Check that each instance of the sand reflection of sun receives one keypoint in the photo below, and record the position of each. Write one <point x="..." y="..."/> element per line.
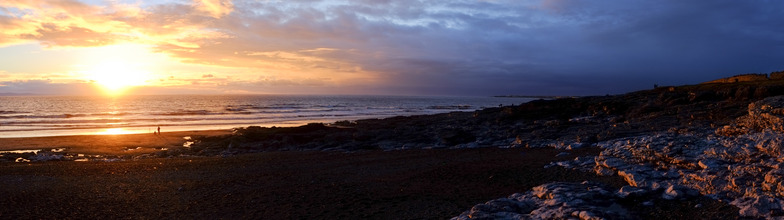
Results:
<point x="114" y="131"/>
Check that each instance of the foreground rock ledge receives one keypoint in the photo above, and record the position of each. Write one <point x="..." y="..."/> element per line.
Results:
<point x="741" y="164"/>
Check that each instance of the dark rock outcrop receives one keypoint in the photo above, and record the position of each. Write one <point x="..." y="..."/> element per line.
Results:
<point x="564" y="123"/>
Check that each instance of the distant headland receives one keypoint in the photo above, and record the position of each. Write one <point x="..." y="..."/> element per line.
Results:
<point x="750" y="77"/>
<point x="534" y="96"/>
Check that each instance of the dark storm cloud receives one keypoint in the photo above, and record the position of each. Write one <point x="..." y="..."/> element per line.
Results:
<point x="674" y="42"/>
<point x="557" y="47"/>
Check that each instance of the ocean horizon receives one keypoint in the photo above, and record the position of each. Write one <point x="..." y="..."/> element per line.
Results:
<point x="38" y="116"/>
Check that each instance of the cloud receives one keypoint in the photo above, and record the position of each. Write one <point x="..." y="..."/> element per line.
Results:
<point x="430" y="47"/>
<point x="215" y="8"/>
<point x="43" y="87"/>
<point x="52" y="35"/>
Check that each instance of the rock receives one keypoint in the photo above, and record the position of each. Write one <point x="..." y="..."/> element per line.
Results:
<point x="46" y="156"/>
<point x="671" y="193"/>
<point x="603" y="171"/>
<point x="671" y="174"/>
<point x="585" y="215"/>
<point x="627" y="191"/>
<point x="744" y="168"/>
<point x="451" y="137"/>
<point x="565" y="145"/>
<point x="581" y="163"/>
<point x="756" y="207"/>
<point x="633" y="178"/>
<point x="764" y="114"/>
<point x="610" y="162"/>
<point x="708" y="164"/>
<point x="585" y="200"/>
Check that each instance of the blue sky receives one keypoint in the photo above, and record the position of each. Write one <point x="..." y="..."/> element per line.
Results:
<point x="466" y="47"/>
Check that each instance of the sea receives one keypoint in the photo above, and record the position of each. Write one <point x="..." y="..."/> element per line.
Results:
<point x="37" y="116"/>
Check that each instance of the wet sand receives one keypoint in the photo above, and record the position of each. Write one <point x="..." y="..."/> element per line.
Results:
<point x="105" y="144"/>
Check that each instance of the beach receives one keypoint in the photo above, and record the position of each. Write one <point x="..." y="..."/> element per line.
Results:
<point x="406" y="184"/>
<point x="373" y="184"/>
<point x="106" y="144"/>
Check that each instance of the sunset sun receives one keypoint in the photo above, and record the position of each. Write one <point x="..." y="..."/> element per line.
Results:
<point x="116" y="76"/>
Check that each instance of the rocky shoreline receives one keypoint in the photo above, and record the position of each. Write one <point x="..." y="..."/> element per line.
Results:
<point x="720" y="141"/>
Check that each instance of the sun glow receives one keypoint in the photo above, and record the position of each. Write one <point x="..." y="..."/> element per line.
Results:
<point x="115" y="77"/>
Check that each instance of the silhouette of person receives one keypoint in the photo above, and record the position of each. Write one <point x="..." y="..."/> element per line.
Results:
<point x="159" y="130"/>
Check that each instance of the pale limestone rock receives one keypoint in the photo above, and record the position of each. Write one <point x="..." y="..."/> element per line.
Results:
<point x="671" y="193"/>
<point x="744" y="165"/>
<point x="553" y="201"/>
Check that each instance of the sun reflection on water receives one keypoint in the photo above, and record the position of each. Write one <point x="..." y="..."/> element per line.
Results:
<point x="114" y="131"/>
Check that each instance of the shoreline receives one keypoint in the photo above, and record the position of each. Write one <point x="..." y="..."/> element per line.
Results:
<point x="114" y="144"/>
<point x="186" y="113"/>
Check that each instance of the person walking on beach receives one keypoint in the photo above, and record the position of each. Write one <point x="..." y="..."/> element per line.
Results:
<point x="159" y="130"/>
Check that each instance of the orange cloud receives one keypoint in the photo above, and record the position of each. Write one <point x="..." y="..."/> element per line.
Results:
<point x="215" y="8"/>
<point x="199" y="32"/>
<point x="53" y="35"/>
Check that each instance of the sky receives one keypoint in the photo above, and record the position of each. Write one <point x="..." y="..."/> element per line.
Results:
<point x="381" y="47"/>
